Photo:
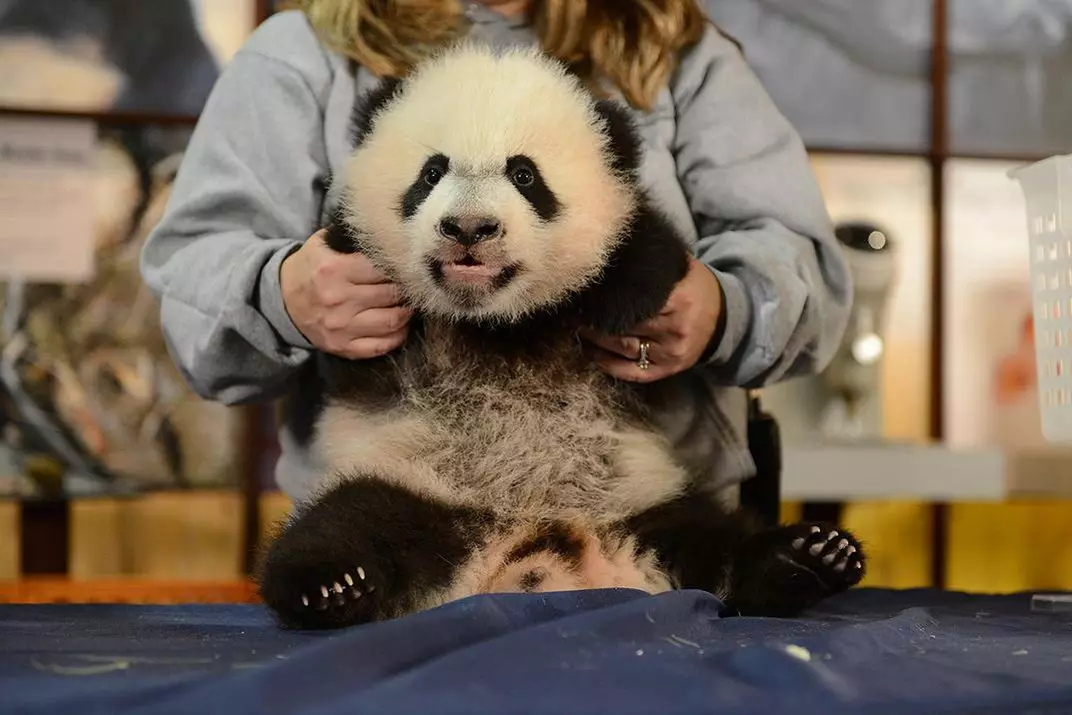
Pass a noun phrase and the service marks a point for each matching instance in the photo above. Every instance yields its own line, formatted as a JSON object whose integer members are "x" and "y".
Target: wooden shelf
{"x": 130, "y": 591}
{"x": 926, "y": 473}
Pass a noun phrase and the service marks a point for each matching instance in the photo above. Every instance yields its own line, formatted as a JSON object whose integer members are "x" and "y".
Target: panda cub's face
{"x": 485, "y": 185}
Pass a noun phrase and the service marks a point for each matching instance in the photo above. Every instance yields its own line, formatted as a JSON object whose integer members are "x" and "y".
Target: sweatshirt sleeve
{"x": 248, "y": 192}
{"x": 762, "y": 223}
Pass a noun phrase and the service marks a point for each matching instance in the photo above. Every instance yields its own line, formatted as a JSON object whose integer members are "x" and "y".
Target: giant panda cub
{"x": 489, "y": 453}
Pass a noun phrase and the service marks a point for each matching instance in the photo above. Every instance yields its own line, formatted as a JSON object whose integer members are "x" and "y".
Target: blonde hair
{"x": 632, "y": 43}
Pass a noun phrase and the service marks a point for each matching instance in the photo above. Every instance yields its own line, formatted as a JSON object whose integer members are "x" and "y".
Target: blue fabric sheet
{"x": 868, "y": 651}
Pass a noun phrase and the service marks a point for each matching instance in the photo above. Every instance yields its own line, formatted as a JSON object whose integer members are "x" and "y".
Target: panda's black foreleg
{"x": 776, "y": 572}
{"x": 366, "y": 550}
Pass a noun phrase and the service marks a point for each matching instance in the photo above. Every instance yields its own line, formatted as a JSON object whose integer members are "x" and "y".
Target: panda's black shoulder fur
{"x": 639, "y": 276}
{"x": 652, "y": 257}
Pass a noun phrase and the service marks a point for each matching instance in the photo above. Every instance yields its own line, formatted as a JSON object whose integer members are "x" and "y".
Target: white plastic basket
{"x": 1047, "y": 188}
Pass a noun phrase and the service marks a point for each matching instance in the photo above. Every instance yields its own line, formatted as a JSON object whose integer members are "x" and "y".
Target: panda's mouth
{"x": 468, "y": 270}
{"x": 469, "y": 261}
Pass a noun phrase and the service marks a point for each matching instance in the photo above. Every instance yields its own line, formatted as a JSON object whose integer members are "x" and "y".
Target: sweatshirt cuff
{"x": 733, "y": 321}
{"x": 271, "y": 300}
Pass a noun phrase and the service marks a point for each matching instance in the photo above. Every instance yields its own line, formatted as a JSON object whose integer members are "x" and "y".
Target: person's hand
{"x": 341, "y": 303}
{"x": 675, "y": 339}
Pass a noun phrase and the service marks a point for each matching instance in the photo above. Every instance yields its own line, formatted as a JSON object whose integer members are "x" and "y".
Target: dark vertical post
{"x": 263, "y": 10}
{"x": 939, "y": 152}
{"x": 44, "y": 537}
{"x": 250, "y": 486}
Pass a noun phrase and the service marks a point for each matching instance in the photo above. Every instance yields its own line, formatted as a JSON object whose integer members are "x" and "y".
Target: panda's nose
{"x": 470, "y": 230}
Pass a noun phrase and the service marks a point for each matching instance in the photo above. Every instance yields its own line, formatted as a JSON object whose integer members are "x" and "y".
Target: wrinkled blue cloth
{"x": 867, "y": 651}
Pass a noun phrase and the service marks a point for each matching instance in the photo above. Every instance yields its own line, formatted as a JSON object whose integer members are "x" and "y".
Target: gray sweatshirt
{"x": 721, "y": 160}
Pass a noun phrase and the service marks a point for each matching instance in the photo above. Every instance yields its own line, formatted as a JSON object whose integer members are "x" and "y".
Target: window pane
{"x": 847, "y": 73}
{"x": 894, "y": 195}
{"x": 1009, "y": 89}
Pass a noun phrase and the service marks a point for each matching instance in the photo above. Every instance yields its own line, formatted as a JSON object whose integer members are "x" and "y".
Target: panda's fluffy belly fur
{"x": 531, "y": 442}
{"x": 527, "y": 441}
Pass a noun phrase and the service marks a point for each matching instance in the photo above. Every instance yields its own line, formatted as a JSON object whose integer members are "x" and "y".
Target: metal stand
{"x": 762, "y": 494}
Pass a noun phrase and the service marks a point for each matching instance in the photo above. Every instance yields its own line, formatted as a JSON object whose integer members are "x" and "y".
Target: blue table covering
{"x": 867, "y": 651}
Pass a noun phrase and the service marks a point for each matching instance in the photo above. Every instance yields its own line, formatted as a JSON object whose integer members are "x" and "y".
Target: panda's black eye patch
{"x": 526, "y": 178}
{"x": 433, "y": 174}
{"x": 522, "y": 176}
{"x": 433, "y": 171}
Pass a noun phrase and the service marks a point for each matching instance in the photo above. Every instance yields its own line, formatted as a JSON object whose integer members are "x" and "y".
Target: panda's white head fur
{"x": 488, "y": 185}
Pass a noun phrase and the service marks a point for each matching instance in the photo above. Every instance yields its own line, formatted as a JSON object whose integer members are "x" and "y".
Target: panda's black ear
{"x": 625, "y": 142}
{"x": 640, "y": 275}
{"x": 367, "y": 105}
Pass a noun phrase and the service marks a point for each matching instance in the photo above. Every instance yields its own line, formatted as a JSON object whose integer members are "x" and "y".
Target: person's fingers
{"x": 357, "y": 298}
{"x": 379, "y": 322}
{"x": 381, "y": 295}
{"x": 661, "y": 328}
{"x": 350, "y": 267}
{"x": 319, "y": 237}
{"x": 367, "y": 348}
{"x": 628, "y": 370}
{"x": 359, "y": 270}
{"x": 625, "y": 346}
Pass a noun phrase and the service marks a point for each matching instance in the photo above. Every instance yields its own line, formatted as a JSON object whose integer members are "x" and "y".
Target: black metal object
{"x": 826, "y": 511}
{"x": 762, "y": 494}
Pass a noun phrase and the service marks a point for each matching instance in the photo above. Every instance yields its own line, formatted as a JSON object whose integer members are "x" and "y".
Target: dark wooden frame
{"x": 45, "y": 525}
{"x": 939, "y": 153}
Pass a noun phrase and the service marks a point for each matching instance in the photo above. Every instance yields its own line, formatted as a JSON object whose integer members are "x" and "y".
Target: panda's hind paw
{"x": 338, "y": 594}
{"x": 786, "y": 570}
{"x": 832, "y": 554}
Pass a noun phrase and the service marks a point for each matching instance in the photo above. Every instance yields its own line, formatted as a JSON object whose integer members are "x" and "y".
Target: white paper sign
{"x": 46, "y": 199}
